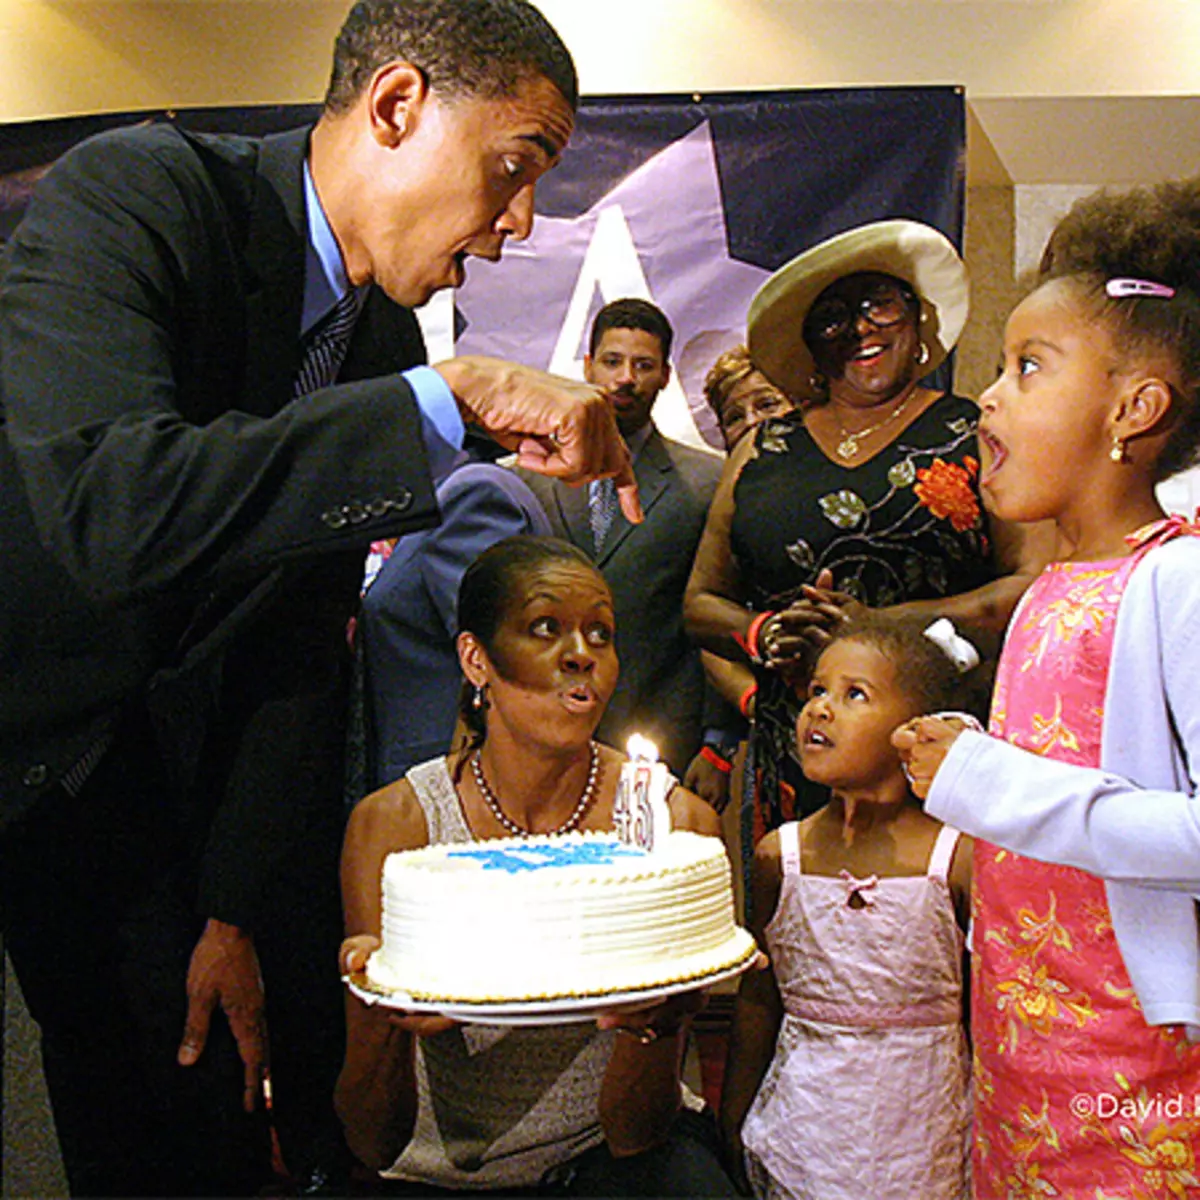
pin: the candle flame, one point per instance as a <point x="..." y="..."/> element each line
<point x="642" y="749"/>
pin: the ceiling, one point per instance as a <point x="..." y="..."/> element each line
<point x="1082" y="140"/>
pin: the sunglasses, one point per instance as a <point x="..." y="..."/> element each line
<point x="883" y="306"/>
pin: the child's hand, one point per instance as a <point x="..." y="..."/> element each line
<point x="923" y="743"/>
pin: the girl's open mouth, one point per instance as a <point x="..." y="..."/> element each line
<point x="993" y="453"/>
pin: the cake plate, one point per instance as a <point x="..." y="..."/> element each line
<point x="566" y="1009"/>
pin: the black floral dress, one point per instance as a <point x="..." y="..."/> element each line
<point x="905" y="525"/>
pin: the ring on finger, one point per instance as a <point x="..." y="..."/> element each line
<point x="644" y="1036"/>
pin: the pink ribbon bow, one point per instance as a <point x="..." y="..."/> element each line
<point x="858" y="887"/>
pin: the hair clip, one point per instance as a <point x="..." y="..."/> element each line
<point x="960" y="651"/>
<point x="1120" y="288"/>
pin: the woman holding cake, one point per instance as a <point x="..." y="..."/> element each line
<point x="595" y="1109"/>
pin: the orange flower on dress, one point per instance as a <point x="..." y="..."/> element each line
<point x="1036" y="1001"/>
<point x="1166" y="1158"/>
<point x="945" y="489"/>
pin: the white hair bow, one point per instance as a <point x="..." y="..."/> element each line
<point x="960" y="651"/>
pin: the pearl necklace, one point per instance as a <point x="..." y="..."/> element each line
<point x="847" y="448"/>
<point x="493" y="801"/>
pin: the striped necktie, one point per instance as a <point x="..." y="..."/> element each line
<point x="602" y="500"/>
<point x="326" y="343"/>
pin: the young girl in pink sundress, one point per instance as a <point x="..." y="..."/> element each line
<point x="1086" y="969"/>
<point x="848" y="1066"/>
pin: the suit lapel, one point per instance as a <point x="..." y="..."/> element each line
<point x="275" y="253"/>
<point x="576" y="514"/>
<point x="652" y="472"/>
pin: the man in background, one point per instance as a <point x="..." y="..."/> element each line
<point x="409" y="621"/>
<point x="214" y="399"/>
<point x="660" y="693"/>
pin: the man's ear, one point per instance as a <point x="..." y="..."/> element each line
<point x="587" y="368"/>
<point x="395" y="98"/>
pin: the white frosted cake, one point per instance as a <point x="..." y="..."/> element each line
<point x="544" y="918"/>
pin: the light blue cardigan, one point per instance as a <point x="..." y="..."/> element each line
<point x="1135" y="820"/>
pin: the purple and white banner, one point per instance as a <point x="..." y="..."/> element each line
<point x="691" y="202"/>
<point x="687" y="201"/>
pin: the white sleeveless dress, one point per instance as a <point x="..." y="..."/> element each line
<point x="498" y="1106"/>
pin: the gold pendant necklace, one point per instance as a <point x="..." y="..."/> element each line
<point x="847" y="448"/>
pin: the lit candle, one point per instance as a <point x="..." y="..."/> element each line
<point x="640" y="813"/>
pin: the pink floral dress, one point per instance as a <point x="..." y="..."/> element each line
<point x="1076" y="1096"/>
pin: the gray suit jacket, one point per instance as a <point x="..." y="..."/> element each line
<point x="661" y="690"/>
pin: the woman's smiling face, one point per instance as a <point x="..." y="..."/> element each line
<point x="861" y="357"/>
<point x="552" y="665"/>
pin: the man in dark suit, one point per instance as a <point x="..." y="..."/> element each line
<point x="408" y="624"/>
<point x="660" y="693"/>
<point x="193" y="461"/>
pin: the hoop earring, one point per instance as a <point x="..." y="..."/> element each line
<point x="818" y="383"/>
<point x="1117" y="453"/>
<point x="922" y="355"/>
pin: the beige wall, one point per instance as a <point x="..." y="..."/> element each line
<point x="69" y="56"/>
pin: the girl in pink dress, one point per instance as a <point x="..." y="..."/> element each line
<point x="848" y="1065"/>
<point x="1086" y="970"/>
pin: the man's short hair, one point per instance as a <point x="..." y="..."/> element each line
<point x="483" y="48"/>
<point x="632" y="314"/>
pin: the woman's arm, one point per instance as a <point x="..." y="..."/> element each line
<point x="1019" y="552"/>
<point x="758" y="1014"/>
<point x="713" y="603"/>
<point x="376" y="1092"/>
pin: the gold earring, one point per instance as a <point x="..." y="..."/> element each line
<point x="1117" y="453"/>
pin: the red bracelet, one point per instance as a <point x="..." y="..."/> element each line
<point x="710" y="755"/>
<point x="749" y="640"/>
<point x="747" y="696"/>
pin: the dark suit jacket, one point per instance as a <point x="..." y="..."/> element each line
<point x="409" y="620"/>
<point x="177" y="531"/>
<point x="661" y="688"/>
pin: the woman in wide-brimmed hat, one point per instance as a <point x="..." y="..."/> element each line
<point x="868" y="493"/>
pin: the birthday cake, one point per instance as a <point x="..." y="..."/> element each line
<point x="564" y="916"/>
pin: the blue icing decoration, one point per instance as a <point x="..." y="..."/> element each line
<point x="516" y="859"/>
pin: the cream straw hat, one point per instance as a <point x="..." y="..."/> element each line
<point x="914" y="253"/>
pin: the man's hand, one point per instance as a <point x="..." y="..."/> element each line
<point x="923" y="744"/>
<point x="557" y="426"/>
<point x="224" y="970"/>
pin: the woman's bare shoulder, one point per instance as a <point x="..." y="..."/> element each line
<point x="392" y="817"/>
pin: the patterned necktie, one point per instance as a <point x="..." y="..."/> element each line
<point x="602" y="500"/>
<point x="325" y="345"/>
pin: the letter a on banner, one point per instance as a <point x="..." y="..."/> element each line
<point x="611" y="267"/>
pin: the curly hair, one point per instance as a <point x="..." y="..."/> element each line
<point x="1149" y="233"/>
<point x="727" y="371"/>
<point x="483" y="48"/>
<point x="924" y="671"/>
